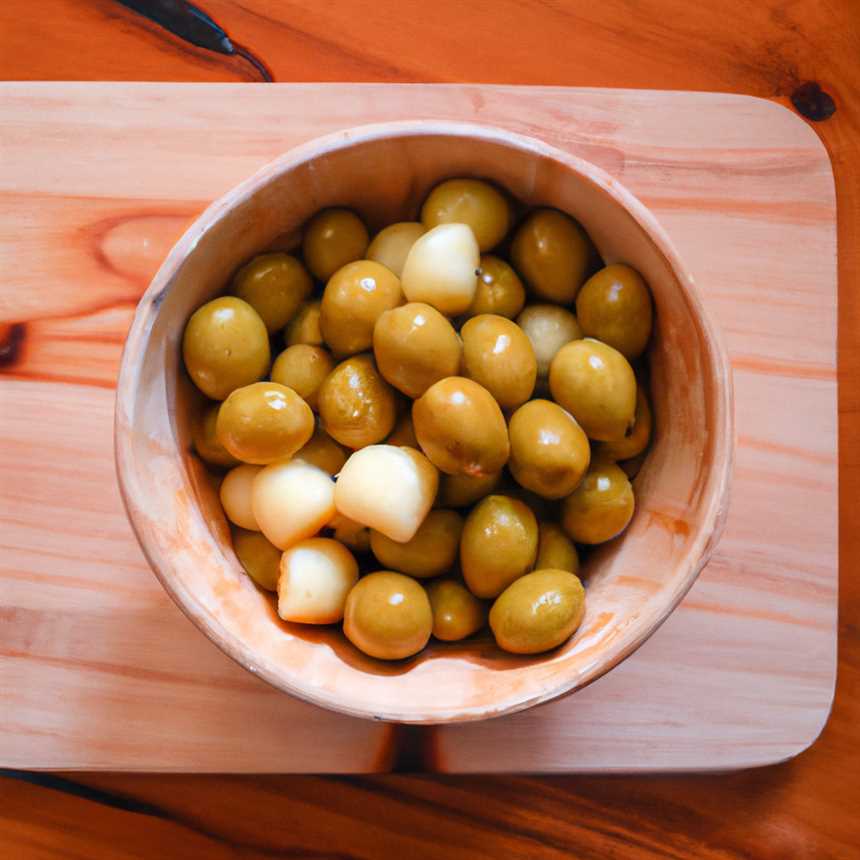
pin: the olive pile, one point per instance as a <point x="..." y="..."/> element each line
<point x="425" y="419"/>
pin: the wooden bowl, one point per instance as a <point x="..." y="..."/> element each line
<point x="384" y="172"/>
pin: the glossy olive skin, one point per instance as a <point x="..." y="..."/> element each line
<point x="274" y="285"/>
<point x="205" y="440"/>
<point x="357" y="406"/>
<point x="264" y="422"/>
<point x="261" y="559"/>
<point x="457" y="613"/>
<point x="549" y="450"/>
<point x="500" y="290"/>
<point x="469" y="201"/>
<point x="499" y="544"/>
<point x="303" y="368"/>
<point x="637" y="440"/>
<point x="555" y="549"/>
<point x="355" y="297"/>
<point x="596" y="384"/>
<point x="461" y="428"/>
<point x="415" y="346"/>
<point x="552" y="252"/>
<point x="323" y="452"/>
<point x="388" y="616"/>
<point x="305" y="326"/>
<point x="549" y="328"/>
<point x="225" y="346"/>
<point x="431" y="552"/>
<point x="403" y="434"/>
<point x="614" y="305"/>
<point x="538" y="612"/>
<point x="391" y="246"/>
<point x="498" y="355"/>
<point x="460" y="491"/>
<point x="601" y="507"/>
<point x="333" y="238"/>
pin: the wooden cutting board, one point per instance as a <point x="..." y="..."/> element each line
<point x="98" y="669"/>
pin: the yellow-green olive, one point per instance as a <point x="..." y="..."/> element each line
<point x="551" y="251"/>
<point x="596" y="384"/>
<point x="323" y="452"/>
<point x="614" y="305"/>
<point x="303" y="368"/>
<point x="549" y="328"/>
<point x="499" y="544"/>
<point x="264" y="422"/>
<point x="391" y="246"/>
<point x="460" y="491"/>
<point x="357" y="406"/>
<point x="350" y="533"/>
<point x="355" y="297"/>
<point x="461" y="428"/>
<point x="469" y="201"/>
<point x="632" y="466"/>
<point x="457" y="613"/>
<point x="538" y="612"/>
<point x="403" y="434"/>
<point x="274" y="285"/>
<point x="498" y="355"/>
<point x="600" y="507"/>
<point x="225" y="346"/>
<point x="261" y="559"/>
<point x="415" y="346"/>
<point x="499" y="291"/>
<point x="556" y="550"/>
<point x="549" y="450"/>
<point x="333" y="238"/>
<point x="305" y="326"/>
<point x="206" y="442"/>
<point x="388" y="616"/>
<point x="637" y="440"/>
<point x="431" y="552"/>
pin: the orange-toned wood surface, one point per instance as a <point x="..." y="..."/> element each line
<point x="806" y="808"/>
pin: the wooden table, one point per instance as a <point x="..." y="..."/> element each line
<point x="804" y="808"/>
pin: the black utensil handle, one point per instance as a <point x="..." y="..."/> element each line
<point x="184" y="20"/>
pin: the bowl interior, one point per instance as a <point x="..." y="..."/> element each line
<point x="384" y="173"/>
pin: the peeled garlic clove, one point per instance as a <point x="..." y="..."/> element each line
<point x="316" y="576"/>
<point x="440" y="269"/>
<point x="236" y="493"/>
<point x="292" y="501"/>
<point x="387" y="488"/>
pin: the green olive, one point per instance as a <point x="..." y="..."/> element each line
<point x="500" y="290"/>
<point x="391" y="246"/>
<point x="225" y="346"/>
<point x="538" y="612"/>
<point x="403" y="434"/>
<point x="556" y="550"/>
<point x="305" y="326"/>
<point x="499" y="544"/>
<point x="461" y="428"/>
<point x="552" y="252"/>
<point x="333" y="238"/>
<point x="431" y="552"/>
<point x="357" y="406"/>
<point x="354" y="299"/>
<point x="614" y="306"/>
<point x="460" y="491"/>
<point x="637" y="440"/>
<point x="549" y="328"/>
<point x="388" y="616"/>
<point x="415" y="346"/>
<point x="457" y="613"/>
<point x="264" y="422"/>
<point x="261" y="559"/>
<point x="274" y="285"/>
<point x="472" y="202"/>
<point x="498" y="355"/>
<point x="596" y="384"/>
<point x="206" y="442"/>
<point x="323" y="452"/>
<point x="600" y="507"/>
<point x="549" y="450"/>
<point x="303" y="368"/>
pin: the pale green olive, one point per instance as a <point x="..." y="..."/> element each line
<point x="636" y="441"/>
<point x="333" y="238"/>
<point x="432" y="551"/>
<point x="274" y="285"/>
<point x="303" y="368"/>
<point x="555" y="549"/>
<point x="261" y="559"/>
<point x="601" y="507"/>
<point x="469" y="201"/>
<point x="206" y="442"/>
<point x="457" y="613"/>
<point x="499" y="291"/>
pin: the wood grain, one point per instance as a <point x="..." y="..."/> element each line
<point x="801" y="809"/>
